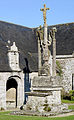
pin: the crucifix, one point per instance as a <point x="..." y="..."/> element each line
<point x="44" y="13"/>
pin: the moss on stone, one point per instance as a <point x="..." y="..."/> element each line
<point x="59" y="68"/>
<point x="47" y="108"/>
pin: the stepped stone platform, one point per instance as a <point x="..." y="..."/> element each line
<point x="45" y="114"/>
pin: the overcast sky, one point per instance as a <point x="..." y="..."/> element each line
<point x="27" y="12"/>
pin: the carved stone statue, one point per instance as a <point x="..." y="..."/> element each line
<point x="44" y="13"/>
<point x="39" y="33"/>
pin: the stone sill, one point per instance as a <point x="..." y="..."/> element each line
<point x="38" y="94"/>
<point x="47" y="89"/>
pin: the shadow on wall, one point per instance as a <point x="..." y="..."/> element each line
<point x="27" y="82"/>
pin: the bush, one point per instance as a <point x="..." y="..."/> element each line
<point x="72" y="98"/>
<point x="67" y="96"/>
<point x="71" y="92"/>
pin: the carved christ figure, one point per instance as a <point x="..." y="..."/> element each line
<point x="44" y="12"/>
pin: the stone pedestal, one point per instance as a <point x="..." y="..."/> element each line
<point x="45" y="95"/>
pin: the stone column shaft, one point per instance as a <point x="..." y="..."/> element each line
<point x="39" y="58"/>
<point x="46" y="69"/>
<point x="54" y="56"/>
<point x="45" y="50"/>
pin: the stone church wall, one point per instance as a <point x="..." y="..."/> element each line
<point x="2" y="92"/>
<point x="67" y="65"/>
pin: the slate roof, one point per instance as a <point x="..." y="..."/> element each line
<point x="64" y="38"/>
<point x="26" y="41"/>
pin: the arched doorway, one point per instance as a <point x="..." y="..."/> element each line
<point x="11" y="93"/>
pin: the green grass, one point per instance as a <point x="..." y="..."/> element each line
<point x="67" y="101"/>
<point x="5" y="112"/>
<point x="4" y="116"/>
<point x="7" y="117"/>
<point x="71" y="107"/>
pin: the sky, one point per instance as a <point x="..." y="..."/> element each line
<point x="27" y="12"/>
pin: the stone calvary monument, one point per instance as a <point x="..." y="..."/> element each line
<point x="45" y="92"/>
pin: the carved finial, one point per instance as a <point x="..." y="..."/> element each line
<point x="44" y="13"/>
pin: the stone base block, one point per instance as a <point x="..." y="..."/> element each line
<point x="44" y="104"/>
<point x="45" y="100"/>
<point x="45" y="95"/>
<point x="46" y="81"/>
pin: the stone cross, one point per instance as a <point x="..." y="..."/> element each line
<point x="44" y="13"/>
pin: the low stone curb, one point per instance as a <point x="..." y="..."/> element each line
<point x="45" y="114"/>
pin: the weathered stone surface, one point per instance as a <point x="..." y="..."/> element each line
<point x="59" y="108"/>
<point x="46" y="81"/>
<point x="43" y="104"/>
<point x="37" y="113"/>
<point x="53" y="31"/>
<point x="67" y="67"/>
<point x="39" y="93"/>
